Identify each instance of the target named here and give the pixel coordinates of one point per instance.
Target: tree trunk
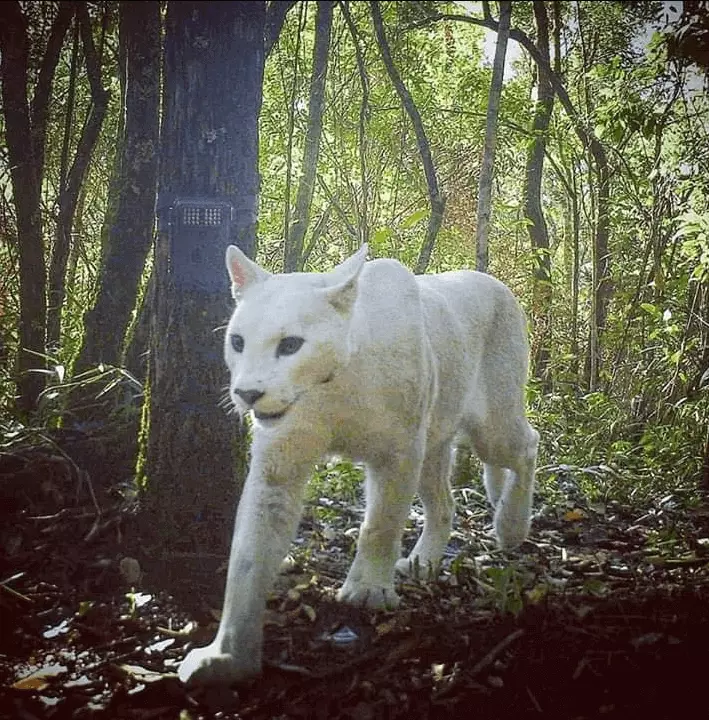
(435, 196)
(488, 162)
(293, 253)
(70, 195)
(25, 135)
(130, 234)
(537, 228)
(602, 289)
(214, 62)
(364, 112)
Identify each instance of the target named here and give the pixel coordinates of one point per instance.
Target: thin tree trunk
(488, 162)
(302, 16)
(537, 227)
(293, 254)
(601, 272)
(575, 284)
(70, 103)
(435, 196)
(130, 235)
(25, 135)
(363, 225)
(68, 199)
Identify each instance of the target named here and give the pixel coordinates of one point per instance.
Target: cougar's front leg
(266, 522)
(390, 487)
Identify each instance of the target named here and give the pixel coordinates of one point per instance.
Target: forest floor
(604, 612)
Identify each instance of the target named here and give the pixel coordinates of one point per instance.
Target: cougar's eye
(237, 342)
(289, 346)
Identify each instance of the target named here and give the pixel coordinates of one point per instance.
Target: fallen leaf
(38, 680)
(308, 611)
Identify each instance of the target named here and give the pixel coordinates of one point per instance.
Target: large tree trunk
(75, 178)
(214, 61)
(293, 253)
(436, 198)
(130, 234)
(25, 134)
(537, 228)
(488, 163)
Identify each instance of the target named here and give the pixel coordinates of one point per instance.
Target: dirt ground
(602, 613)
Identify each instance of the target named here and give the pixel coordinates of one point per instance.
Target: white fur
(394, 371)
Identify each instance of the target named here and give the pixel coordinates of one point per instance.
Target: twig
(496, 650)
(81, 475)
(15, 594)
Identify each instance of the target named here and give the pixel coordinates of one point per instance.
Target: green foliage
(102, 394)
(503, 587)
(614, 452)
(340, 479)
(640, 432)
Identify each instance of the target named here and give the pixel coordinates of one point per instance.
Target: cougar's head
(289, 334)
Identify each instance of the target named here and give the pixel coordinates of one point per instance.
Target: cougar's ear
(242, 271)
(342, 291)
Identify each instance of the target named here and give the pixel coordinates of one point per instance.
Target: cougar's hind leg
(438, 506)
(510, 464)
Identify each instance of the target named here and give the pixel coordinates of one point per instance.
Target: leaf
(159, 646)
(308, 611)
(31, 683)
(60, 629)
(574, 515)
(38, 680)
(537, 593)
(385, 627)
(141, 674)
(379, 237)
(650, 309)
(84, 607)
(413, 219)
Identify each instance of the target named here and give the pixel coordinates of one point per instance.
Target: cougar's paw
(511, 532)
(375, 597)
(209, 666)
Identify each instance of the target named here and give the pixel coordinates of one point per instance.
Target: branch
(45, 77)
(436, 199)
(585, 133)
(93, 64)
(275, 17)
(306, 186)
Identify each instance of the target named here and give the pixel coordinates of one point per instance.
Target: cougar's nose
(250, 397)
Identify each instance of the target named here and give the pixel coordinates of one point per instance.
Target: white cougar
(389, 369)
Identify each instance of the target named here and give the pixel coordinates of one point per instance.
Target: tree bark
(130, 233)
(69, 197)
(293, 253)
(435, 196)
(214, 62)
(537, 227)
(488, 161)
(25, 135)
